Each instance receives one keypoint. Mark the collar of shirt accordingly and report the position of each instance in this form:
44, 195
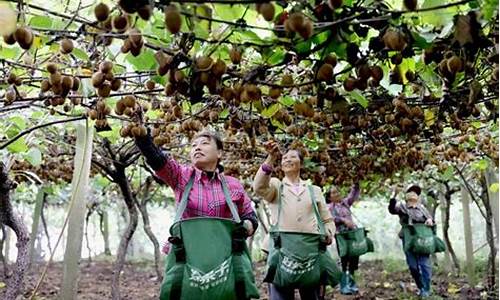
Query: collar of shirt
200, 175
296, 188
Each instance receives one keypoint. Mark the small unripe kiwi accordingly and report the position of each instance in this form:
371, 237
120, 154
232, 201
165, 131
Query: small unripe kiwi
24, 37
116, 84
66, 46
76, 84
98, 79
173, 20
120, 23
101, 12
325, 72
104, 90
52, 68
267, 11
106, 66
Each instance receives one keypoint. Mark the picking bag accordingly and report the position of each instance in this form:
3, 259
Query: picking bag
209, 258
421, 239
354, 242
300, 260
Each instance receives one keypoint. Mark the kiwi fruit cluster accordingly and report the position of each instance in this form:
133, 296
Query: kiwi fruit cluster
297, 22
104, 80
142, 7
59, 86
127, 105
99, 113
22, 35
133, 43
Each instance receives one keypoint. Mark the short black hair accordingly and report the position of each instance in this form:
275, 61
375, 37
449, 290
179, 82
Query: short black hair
211, 135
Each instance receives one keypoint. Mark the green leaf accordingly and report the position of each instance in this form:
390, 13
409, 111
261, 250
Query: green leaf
223, 114
34, 157
359, 98
19, 121
276, 57
437, 18
494, 187
476, 124
232, 12
143, 62
287, 101
158, 79
303, 47
41, 22
481, 164
448, 173
19, 146
79, 53
9, 53
113, 135
271, 110
322, 37
489, 9
278, 124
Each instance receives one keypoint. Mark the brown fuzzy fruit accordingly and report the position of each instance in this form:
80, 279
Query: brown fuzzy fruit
331, 59
67, 83
219, 68
11, 79
377, 73
106, 66
44, 86
173, 19
364, 71
76, 84
394, 40
454, 64
274, 93
307, 30
66, 46
145, 12
267, 11
333, 4
9, 39
120, 23
116, 84
52, 68
150, 84
10, 96
325, 72
104, 90
410, 4
129, 101
295, 22
350, 84
24, 37
55, 78
287, 80
235, 56
101, 12
397, 59
204, 63
98, 79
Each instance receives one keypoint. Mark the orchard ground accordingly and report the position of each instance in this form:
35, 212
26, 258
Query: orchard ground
378, 279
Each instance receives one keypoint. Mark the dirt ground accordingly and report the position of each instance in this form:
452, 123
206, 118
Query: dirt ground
375, 279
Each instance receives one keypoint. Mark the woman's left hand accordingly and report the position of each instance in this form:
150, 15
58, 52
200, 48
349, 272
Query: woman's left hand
429, 222
248, 226
329, 239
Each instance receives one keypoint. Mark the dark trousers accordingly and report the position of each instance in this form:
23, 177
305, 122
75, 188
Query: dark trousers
278, 293
349, 263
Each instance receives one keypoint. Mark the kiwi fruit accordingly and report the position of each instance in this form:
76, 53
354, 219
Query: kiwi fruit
98, 79
52, 68
235, 55
179, 76
101, 12
331, 59
10, 96
104, 90
150, 84
454, 64
306, 30
9, 39
377, 73
76, 84
350, 84
394, 40
116, 83
120, 23
204, 63
410, 4
129, 101
267, 11
45, 85
397, 59
335, 3
67, 83
363, 71
106, 66
11, 79
66, 46
274, 93
294, 22
325, 72
219, 68
55, 78
173, 20
145, 12
24, 37
287, 80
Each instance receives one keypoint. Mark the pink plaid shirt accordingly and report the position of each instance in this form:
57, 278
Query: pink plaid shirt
206, 198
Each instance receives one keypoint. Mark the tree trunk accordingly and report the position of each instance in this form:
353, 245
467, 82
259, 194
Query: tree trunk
45, 228
124, 185
104, 227
469, 251
142, 205
15, 284
446, 228
2, 257
492, 177
490, 238
40, 197
77, 211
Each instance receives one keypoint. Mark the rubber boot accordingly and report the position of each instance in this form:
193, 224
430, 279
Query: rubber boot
352, 285
344, 284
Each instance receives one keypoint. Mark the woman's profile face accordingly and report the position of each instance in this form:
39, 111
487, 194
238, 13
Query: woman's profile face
335, 195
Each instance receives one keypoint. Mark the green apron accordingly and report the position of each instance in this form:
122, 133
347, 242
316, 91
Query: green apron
209, 258
300, 260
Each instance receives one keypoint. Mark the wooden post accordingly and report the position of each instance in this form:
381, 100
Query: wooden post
448, 266
36, 221
469, 250
491, 178
77, 211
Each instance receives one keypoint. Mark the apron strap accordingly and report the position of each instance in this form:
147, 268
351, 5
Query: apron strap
321, 226
185, 195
